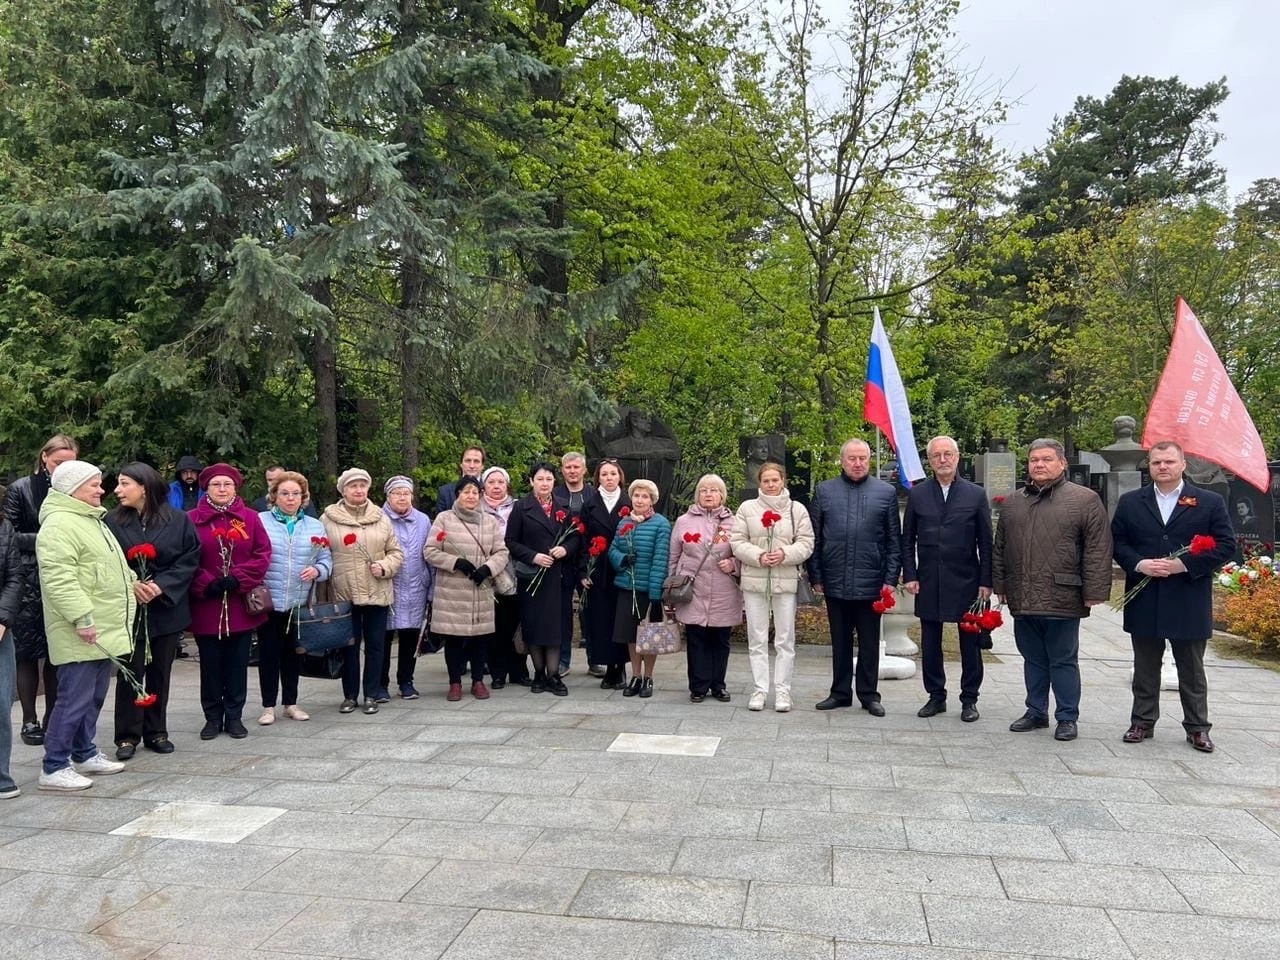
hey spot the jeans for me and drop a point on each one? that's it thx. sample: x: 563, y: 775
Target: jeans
x: 935, y: 670
x: 368, y: 623
x: 8, y: 690
x: 82, y: 689
x: 758, y: 606
x: 1050, y: 648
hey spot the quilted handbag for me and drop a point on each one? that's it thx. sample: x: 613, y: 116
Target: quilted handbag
x: 324, y: 626
x: 661, y: 637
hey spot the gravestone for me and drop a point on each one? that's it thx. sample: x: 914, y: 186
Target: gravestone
x: 756, y: 452
x: 1124, y: 457
x: 643, y: 445
x: 997, y: 471
x: 1252, y: 518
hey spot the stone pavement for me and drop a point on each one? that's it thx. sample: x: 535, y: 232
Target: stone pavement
x: 509, y: 829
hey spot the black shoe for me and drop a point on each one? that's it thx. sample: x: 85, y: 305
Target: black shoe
x: 1066, y: 730
x: 874, y: 708
x: 932, y: 708
x: 126, y: 750
x: 160, y: 745
x: 722, y: 695
x: 831, y: 703
x: 210, y: 730
x: 522, y: 681
x: 235, y: 729
x: 32, y: 734
x: 1029, y: 721
x: 646, y: 688
x: 633, y: 688
x: 497, y: 684
x: 969, y: 713
x: 697, y: 697
x: 556, y: 686
x: 538, y: 686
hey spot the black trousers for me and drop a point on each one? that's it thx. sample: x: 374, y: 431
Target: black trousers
x: 136, y: 724
x: 504, y: 662
x: 224, y: 676
x: 461, y: 652
x: 1193, y: 688
x: 278, y: 662
x: 935, y: 671
x: 848, y: 617
x: 707, y: 653
x: 407, y: 637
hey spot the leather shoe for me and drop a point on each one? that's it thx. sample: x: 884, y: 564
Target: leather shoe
x: 1137, y: 733
x: 932, y: 708
x: 126, y: 750
x: 874, y: 708
x: 1028, y: 721
x: 1066, y: 730
x: 969, y: 713
x: 235, y: 729
x: 160, y: 745
x: 210, y: 730
x: 831, y: 703
x: 722, y: 695
x: 1200, y: 740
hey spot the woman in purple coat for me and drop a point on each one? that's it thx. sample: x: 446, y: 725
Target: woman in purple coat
x: 411, y: 586
x: 700, y: 549
x: 235, y: 553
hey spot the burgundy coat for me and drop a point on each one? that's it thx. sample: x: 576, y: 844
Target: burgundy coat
x: 249, y: 561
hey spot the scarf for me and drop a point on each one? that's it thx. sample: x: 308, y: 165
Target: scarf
x: 289, y: 521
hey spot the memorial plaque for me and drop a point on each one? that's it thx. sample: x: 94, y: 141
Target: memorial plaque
x: 1079, y: 473
x: 998, y: 474
x: 1252, y: 518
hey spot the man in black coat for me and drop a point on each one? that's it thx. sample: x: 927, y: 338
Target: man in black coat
x: 1177, y: 604
x: 856, y: 554
x: 946, y: 565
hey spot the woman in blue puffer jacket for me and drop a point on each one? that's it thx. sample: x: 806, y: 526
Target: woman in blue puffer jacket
x: 639, y: 555
x: 300, y: 558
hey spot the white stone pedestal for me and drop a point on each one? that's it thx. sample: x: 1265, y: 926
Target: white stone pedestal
x: 1168, y: 671
x: 893, y: 628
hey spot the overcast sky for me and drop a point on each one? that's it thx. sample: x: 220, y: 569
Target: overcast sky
x: 1049, y: 53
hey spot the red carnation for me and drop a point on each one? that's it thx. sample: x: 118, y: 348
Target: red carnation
x: 998, y: 500
x: 878, y: 606
x: 146, y: 700
x: 625, y: 529
x: 349, y: 540
x: 990, y: 620
x: 440, y: 537
x: 598, y: 546
x: 624, y: 512
x: 143, y: 551
x: 1202, y: 543
x: 769, y: 518
x: 582, y: 527
x: 560, y: 515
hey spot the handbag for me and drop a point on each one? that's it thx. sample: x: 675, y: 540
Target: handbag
x: 805, y: 594
x: 526, y: 571
x: 504, y: 581
x: 323, y: 626
x: 677, y: 589
x: 664, y: 637
x: 258, y: 601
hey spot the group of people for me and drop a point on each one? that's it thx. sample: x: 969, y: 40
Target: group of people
x: 117, y: 590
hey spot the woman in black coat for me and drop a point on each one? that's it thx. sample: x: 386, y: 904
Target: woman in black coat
x: 145, y: 517
x: 10, y: 597
x: 541, y: 537
x: 601, y: 514
x: 22, y: 508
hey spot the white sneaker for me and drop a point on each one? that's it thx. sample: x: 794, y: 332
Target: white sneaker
x: 782, y: 702
x: 65, y: 780
x: 9, y: 794
x: 756, y: 702
x: 100, y: 765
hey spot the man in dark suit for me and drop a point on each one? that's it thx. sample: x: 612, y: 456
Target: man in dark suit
x: 1177, y: 604
x: 946, y: 565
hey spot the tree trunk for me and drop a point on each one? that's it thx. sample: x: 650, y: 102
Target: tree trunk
x: 412, y: 285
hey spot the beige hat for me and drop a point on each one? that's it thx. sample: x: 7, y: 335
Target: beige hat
x: 353, y: 473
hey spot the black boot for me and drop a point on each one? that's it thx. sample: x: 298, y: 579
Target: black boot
x: 633, y: 688
x: 539, y: 684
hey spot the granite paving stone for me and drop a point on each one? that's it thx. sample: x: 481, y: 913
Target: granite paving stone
x: 691, y: 820
x: 437, y: 839
x: 833, y: 774
x: 1201, y: 821
x: 499, y: 886
x: 1163, y: 936
x: 1225, y: 895
x: 837, y: 829
x: 370, y: 930
x: 309, y: 795
x: 325, y: 830
x: 790, y: 796
x: 426, y: 773
x: 958, y: 779
x: 1085, y: 814
x: 201, y: 915
x: 1090, y: 885
x: 226, y: 866
x: 701, y: 901
x: 756, y: 860
x: 72, y: 853
x: 864, y: 914
x: 1156, y: 850
x: 602, y: 849
x: 25, y: 943
x: 430, y: 803
x: 900, y: 803
x: 983, y: 839
x: 1249, y: 856
x: 1040, y: 929
x: 909, y: 871
x: 1072, y: 787
x: 354, y: 876
x: 557, y: 811
x: 69, y: 903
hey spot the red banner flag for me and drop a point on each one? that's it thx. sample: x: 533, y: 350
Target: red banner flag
x: 1197, y: 406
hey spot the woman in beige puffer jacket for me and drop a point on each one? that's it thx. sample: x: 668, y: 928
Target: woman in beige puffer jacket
x: 467, y: 548
x: 366, y: 556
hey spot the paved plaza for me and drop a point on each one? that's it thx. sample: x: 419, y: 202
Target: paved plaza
x: 593, y: 826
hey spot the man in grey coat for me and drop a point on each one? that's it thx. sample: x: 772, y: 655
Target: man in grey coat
x: 857, y: 553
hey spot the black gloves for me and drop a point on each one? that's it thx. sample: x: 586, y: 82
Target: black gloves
x: 627, y: 561
x: 480, y: 574
x: 221, y: 586
x: 655, y: 611
x: 464, y: 566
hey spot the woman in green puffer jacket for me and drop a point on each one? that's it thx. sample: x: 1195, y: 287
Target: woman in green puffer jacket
x: 639, y: 555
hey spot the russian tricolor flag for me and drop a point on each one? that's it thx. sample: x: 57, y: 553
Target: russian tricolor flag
x: 885, y: 404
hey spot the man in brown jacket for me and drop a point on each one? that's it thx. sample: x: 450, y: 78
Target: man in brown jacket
x: 1051, y: 563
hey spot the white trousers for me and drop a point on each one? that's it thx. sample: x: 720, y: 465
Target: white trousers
x: 784, y: 639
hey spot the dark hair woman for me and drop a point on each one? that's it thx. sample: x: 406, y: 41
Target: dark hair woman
x: 602, y: 514
x: 235, y: 553
x: 161, y: 546
x: 543, y: 543
x: 22, y: 504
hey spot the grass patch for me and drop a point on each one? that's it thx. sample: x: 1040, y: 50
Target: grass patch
x: 950, y: 643
x: 1237, y: 648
